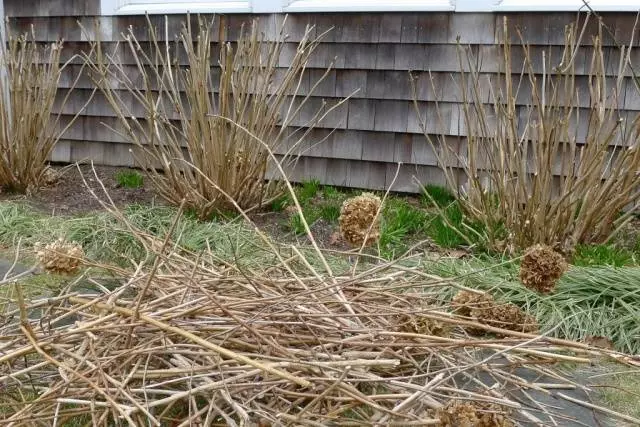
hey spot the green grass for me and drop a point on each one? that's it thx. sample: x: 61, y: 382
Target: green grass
x: 450, y: 228
x: 621, y: 391
x: 404, y: 223
x: 592, y: 255
x: 317, y: 202
x: 435, y: 193
x: 330, y: 212
x: 295, y: 223
x: 129, y: 179
x: 308, y: 190
x: 445, y: 228
x: 312, y: 213
x: 401, y: 222
x: 279, y: 204
x: 332, y: 193
x: 443, y: 225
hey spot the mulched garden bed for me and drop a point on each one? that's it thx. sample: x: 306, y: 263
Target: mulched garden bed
x: 69, y: 194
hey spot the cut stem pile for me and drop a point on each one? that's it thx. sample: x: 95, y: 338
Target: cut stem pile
x: 188, y: 339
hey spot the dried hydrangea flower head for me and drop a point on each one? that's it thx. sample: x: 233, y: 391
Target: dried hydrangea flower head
x: 541, y: 268
x: 50, y: 176
x: 359, y: 219
x: 466, y: 301
x: 506, y: 316
x: 472, y: 414
x: 60, y: 256
x: 484, y: 309
x: 416, y: 324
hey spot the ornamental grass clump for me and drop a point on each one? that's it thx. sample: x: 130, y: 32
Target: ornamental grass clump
x: 541, y: 268
x: 205, y: 126
x: 29, y: 129
x: 360, y: 219
x: 544, y: 161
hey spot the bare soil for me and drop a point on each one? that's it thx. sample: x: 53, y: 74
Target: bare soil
x: 69, y: 195
x: 325, y: 234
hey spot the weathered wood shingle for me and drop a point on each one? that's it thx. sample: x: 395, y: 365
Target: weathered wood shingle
x: 371, y: 54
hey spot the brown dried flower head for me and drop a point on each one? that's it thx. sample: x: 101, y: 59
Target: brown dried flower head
x: 60, y: 256
x: 466, y: 301
x: 484, y: 309
x: 416, y: 324
x: 359, y: 220
x: 50, y: 176
x: 506, y: 316
x: 472, y: 414
x: 541, y: 268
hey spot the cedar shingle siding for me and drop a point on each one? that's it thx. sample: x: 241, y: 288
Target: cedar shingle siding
x: 372, y: 52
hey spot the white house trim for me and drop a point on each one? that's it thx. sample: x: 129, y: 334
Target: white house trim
x: 139, y: 7
x: 567, y: 6
x: 124, y: 7
x: 369, y: 6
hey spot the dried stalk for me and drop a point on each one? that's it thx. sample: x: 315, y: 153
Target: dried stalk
x: 213, y: 344
x: 530, y: 177
x: 29, y: 77
x: 183, y: 143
